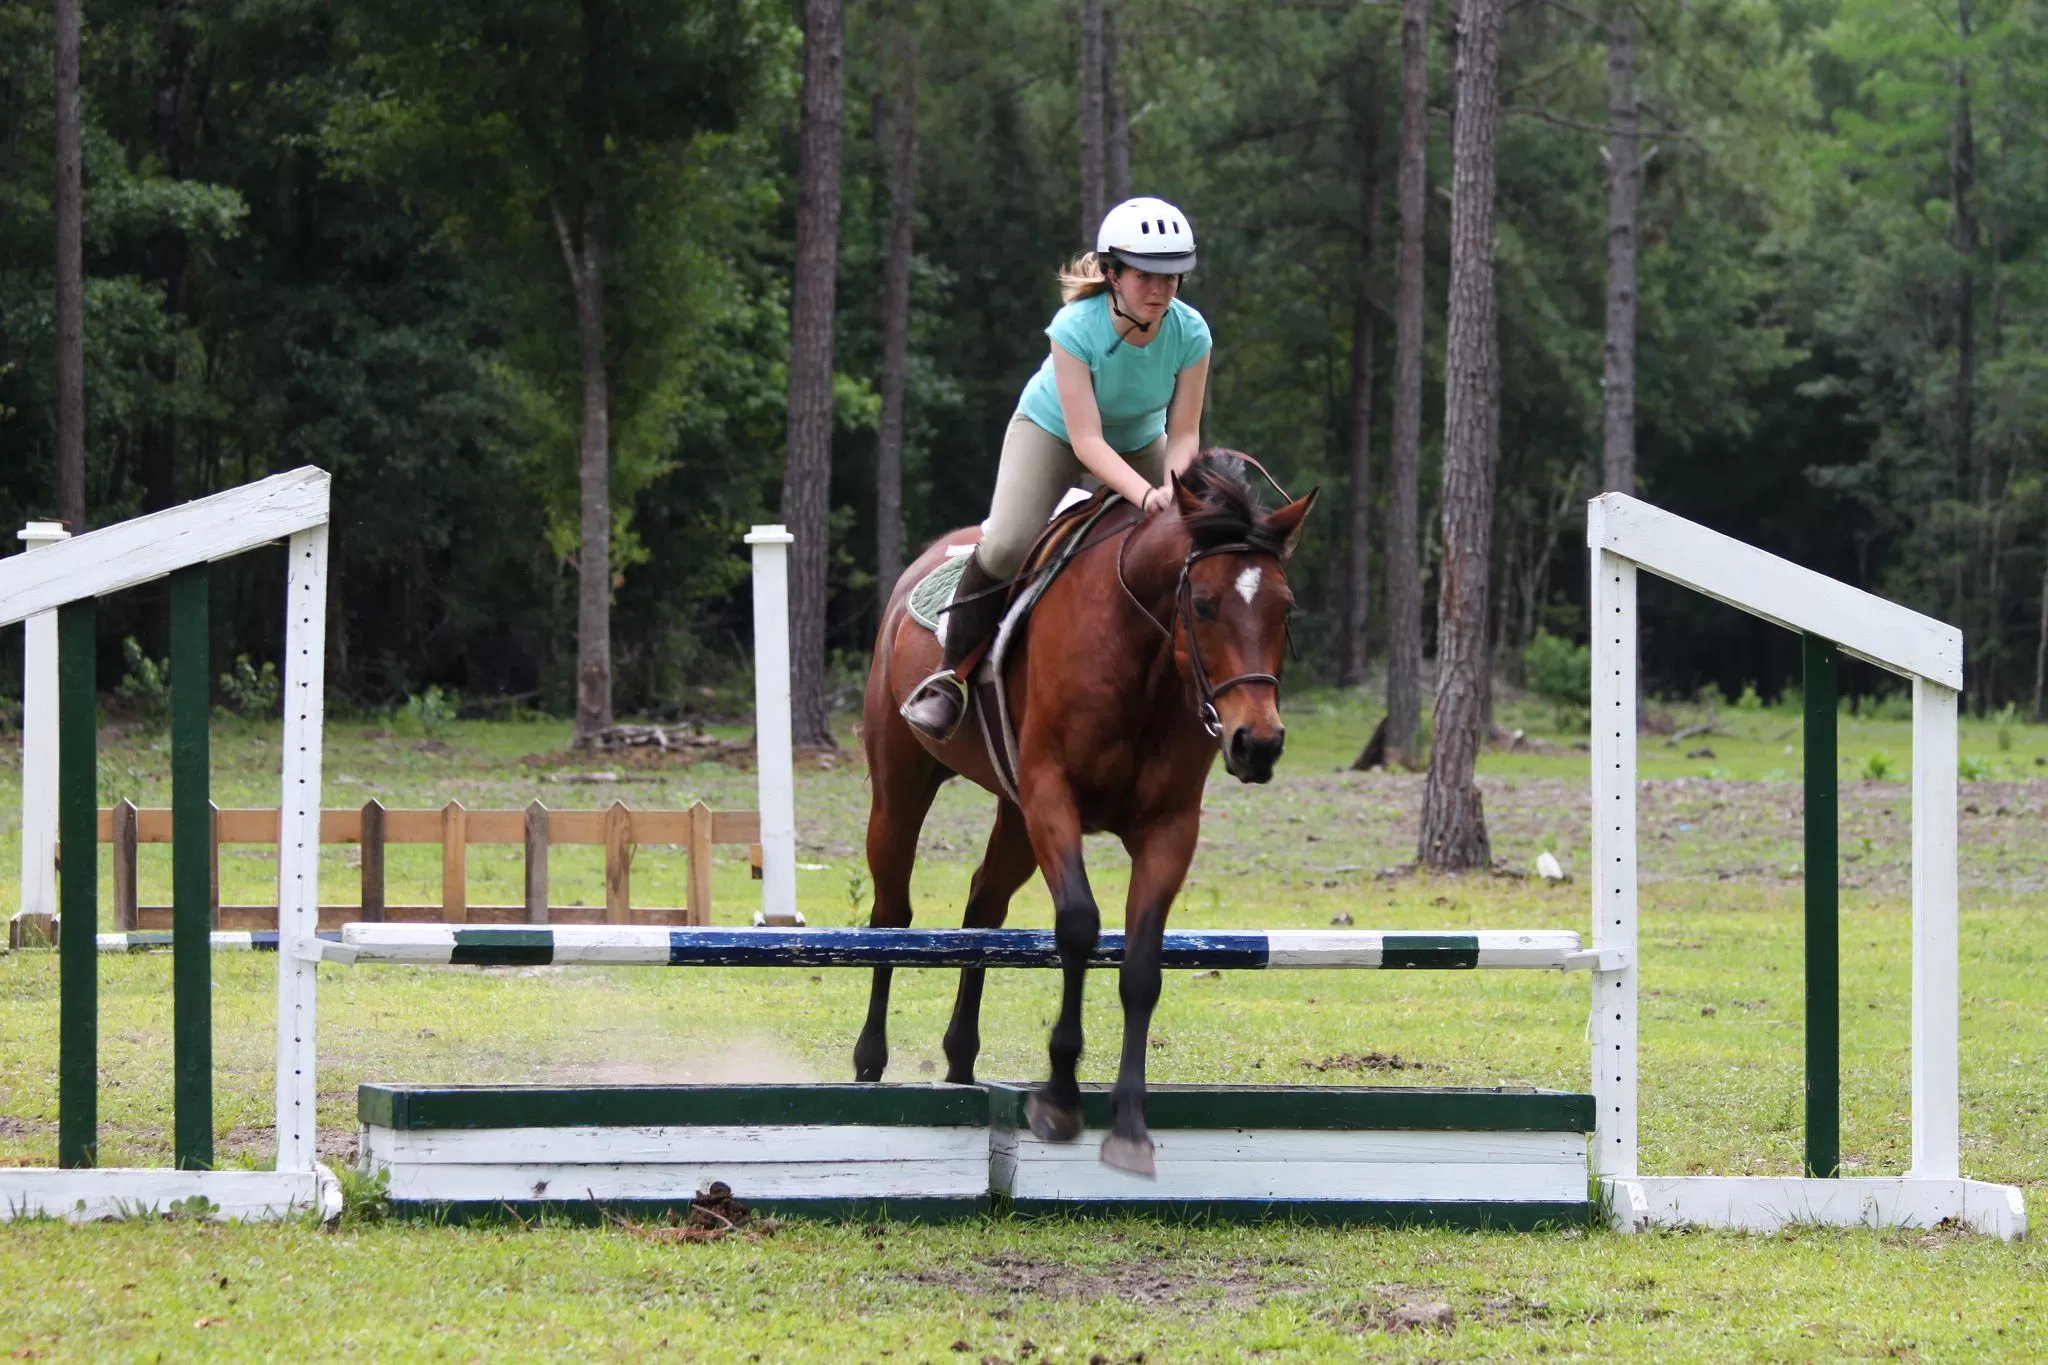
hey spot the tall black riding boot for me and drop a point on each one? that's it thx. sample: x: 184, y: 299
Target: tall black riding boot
x: 934, y: 710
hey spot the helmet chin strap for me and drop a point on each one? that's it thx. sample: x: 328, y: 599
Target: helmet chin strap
x: 1116, y: 306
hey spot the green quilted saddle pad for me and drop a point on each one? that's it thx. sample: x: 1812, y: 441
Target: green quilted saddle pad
x: 930, y: 597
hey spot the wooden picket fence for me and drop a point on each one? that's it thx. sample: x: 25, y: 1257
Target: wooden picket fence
x: 619, y: 830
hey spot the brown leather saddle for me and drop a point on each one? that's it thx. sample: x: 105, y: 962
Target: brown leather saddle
x: 1065, y: 536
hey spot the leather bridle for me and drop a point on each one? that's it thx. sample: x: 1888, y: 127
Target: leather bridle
x: 1206, y: 692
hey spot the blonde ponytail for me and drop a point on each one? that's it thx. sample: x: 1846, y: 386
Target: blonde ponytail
x: 1083, y: 278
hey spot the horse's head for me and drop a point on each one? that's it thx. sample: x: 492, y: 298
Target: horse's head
x: 1232, y: 608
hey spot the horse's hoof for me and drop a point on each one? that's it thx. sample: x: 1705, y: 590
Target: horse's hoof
x: 1129, y: 1154
x: 1049, y: 1123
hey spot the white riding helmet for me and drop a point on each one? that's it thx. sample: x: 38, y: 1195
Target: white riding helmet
x: 1148, y: 234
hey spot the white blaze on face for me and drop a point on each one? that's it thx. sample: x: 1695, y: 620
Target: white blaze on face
x: 1248, y: 583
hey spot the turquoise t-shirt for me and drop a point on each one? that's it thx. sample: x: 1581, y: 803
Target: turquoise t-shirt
x: 1133, y: 384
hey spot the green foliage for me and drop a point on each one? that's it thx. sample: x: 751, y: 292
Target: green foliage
x: 1561, y: 673
x: 250, y: 692
x: 430, y: 711
x: 1877, y: 766
x: 1749, y: 700
x: 1973, y: 768
x: 2008, y: 716
x: 346, y: 253
x: 146, y: 686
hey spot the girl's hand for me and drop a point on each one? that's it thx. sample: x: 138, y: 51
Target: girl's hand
x: 1156, y: 499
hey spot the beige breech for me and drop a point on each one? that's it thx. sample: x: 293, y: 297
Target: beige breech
x: 1036, y: 469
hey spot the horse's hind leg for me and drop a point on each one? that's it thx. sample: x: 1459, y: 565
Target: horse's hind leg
x: 905, y: 779
x: 1006, y: 865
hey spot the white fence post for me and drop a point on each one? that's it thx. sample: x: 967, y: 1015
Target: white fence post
x: 1937, y: 980
x: 298, y: 848
x: 31, y: 922
x: 1612, y: 623
x: 773, y: 757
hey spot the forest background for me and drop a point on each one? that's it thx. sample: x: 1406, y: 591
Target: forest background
x: 384, y: 239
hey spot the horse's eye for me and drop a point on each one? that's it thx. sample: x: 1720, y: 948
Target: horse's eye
x: 1205, y: 609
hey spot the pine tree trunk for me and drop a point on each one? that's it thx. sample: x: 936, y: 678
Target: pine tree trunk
x: 902, y: 161
x: 2041, y: 652
x: 1453, y: 816
x: 1624, y: 188
x: 1402, y: 554
x: 1092, y: 207
x: 1963, y: 240
x: 584, y: 253
x: 1364, y: 343
x: 583, y: 248
x: 807, y: 474
x: 69, y: 213
x: 1117, y: 169
x: 166, y: 254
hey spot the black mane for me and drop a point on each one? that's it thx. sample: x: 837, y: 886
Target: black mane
x: 1230, y: 513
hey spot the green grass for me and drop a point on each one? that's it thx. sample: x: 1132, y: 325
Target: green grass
x: 1721, y: 1019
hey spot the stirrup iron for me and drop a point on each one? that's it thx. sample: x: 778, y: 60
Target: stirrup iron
x: 943, y: 677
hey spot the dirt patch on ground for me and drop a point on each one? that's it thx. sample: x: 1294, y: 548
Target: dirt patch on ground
x: 1143, y: 1280
x: 1366, y: 1061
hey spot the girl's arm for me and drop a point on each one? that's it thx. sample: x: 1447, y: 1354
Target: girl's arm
x: 1084, y: 427
x: 1184, y: 416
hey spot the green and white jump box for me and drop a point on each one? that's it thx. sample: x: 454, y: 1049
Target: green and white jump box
x: 904, y: 1151
x: 1371, y: 1154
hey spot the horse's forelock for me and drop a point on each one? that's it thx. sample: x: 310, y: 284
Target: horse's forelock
x: 1230, y: 513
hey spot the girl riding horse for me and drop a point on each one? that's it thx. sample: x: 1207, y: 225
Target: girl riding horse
x: 1119, y: 397
x: 1159, y: 642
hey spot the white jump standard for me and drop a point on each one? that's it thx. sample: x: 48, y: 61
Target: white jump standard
x: 1626, y: 535
x: 66, y: 578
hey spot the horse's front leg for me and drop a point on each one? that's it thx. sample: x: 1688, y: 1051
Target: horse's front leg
x: 1054, y: 1109
x: 1159, y: 864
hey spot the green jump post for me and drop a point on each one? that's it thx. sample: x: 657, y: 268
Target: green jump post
x: 191, y: 879
x: 78, y: 893
x: 1823, y: 925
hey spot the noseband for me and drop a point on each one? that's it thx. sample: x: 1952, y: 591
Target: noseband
x: 1206, y: 692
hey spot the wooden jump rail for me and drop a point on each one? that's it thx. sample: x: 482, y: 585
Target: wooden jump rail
x: 620, y: 831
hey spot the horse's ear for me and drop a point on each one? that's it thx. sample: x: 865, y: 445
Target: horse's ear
x: 1183, y: 498
x: 1288, y: 521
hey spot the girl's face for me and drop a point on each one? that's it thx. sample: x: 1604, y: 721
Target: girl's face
x: 1144, y: 295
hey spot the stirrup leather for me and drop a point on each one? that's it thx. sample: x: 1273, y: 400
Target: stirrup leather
x: 944, y: 676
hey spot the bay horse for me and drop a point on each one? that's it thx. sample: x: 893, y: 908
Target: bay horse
x: 1160, y: 643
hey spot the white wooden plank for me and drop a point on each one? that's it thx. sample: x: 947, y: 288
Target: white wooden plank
x: 1766, y: 1204
x: 774, y: 1144
x: 1937, y: 998
x: 39, y: 745
x: 117, y: 1192
x: 773, y: 753
x: 145, y: 548
x: 1868, y: 626
x: 298, y: 843
x: 1327, y: 1145
x: 1385, y: 1182
x: 1612, y: 620
x: 956, y: 1179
